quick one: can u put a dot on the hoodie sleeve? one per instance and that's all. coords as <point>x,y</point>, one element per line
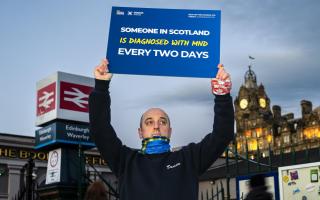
<point>103,133</point>
<point>213,145</point>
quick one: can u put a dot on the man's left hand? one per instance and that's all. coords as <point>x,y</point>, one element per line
<point>222,84</point>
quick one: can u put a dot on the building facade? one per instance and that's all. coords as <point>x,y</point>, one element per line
<point>260,126</point>
<point>15,150</point>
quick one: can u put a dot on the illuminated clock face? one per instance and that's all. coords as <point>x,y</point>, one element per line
<point>243,103</point>
<point>262,103</point>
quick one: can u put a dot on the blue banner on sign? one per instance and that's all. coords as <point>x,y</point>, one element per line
<point>164,42</point>
<point>59,133</point>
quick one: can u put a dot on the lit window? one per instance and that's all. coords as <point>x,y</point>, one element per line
<point>259,132</point>
<point>248,134</point>
<point>253,145</point>
<point>286,139</point>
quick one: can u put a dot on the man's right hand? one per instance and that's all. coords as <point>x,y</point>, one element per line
<point>101,72</point>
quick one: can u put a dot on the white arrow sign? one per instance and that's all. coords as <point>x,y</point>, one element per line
<point>46,99</point>
<point>78,97</point>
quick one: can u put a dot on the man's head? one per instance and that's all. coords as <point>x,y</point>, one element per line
<point>154,122</point>
<point>257,180</point>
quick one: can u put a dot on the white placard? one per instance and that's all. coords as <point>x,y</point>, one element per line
<point>54,166</point>
<point>299,181</point>
<point>244,187</point>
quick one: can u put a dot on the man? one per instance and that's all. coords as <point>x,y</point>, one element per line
<point>155,173</point>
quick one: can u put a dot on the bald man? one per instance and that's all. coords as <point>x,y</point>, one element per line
<point>154,172</point>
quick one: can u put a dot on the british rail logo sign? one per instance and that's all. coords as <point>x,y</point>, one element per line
<point>74,96</point>
<point>46,99</point>
<point>63,96</point>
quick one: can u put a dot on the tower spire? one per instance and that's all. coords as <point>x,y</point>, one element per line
<point>250,77</point>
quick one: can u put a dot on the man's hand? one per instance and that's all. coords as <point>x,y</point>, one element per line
<point>101,71</point>
<point>221,85</point>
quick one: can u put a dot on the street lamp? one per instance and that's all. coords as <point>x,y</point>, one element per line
<point>269,140</point>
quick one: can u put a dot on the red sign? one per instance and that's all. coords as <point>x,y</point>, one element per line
<point>46,99</point>
<point>74,96</point>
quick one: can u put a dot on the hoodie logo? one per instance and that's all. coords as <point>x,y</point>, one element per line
<point>173,166</point>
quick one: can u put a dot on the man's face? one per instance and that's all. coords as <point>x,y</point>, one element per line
<point>154,122</point>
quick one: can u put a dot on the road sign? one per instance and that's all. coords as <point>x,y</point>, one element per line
<point>63,133</point>
<point>63,96</point>
<point>46,97</point>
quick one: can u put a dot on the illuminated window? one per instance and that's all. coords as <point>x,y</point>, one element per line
<point>253,145</point>
<point>286,139</point>
<point>239,146</point>
<point>269,138</point>
<point>248,134</point>
<point>259,132</point>
<point>278,142</point>
<point>311,132</point>
<point>254,133</point>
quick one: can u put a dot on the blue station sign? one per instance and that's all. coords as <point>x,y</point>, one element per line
<point>63,133</point>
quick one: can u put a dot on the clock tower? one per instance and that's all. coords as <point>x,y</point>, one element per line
<point>253,115</point>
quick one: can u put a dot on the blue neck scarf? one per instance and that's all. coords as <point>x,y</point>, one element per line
<point>155,145</point>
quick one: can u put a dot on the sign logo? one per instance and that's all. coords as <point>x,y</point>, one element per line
<point>54,159</point>
<point>74,96</point>
<point>46,99</point>
<point>119,12</point>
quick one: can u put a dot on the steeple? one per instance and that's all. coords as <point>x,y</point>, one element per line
<point>250,79</point>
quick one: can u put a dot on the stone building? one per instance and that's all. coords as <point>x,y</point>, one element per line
<point>258,125</point>
<point>14,153</point>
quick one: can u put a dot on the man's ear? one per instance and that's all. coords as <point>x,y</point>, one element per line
<point>140,133</point>
<point>169,133</point>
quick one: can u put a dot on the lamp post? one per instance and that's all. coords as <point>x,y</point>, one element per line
<point>258,155</point>
<point>247,156</point>
<point>236,155</point>
<point>269,140</point>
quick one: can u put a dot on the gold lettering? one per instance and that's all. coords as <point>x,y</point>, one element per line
<point>95,160</point>
<point>41,156</point>
<point>24,154</point>
<point>87,159</point>
<point>3,152</point>
<point>33,155</point>
<point>12,153</point>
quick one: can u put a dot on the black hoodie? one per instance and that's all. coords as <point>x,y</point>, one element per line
<point>166,176</point>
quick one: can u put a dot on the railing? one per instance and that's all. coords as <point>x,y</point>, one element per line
<point>217,195</point>
<point>111,191</point>
<point>28,191</point>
